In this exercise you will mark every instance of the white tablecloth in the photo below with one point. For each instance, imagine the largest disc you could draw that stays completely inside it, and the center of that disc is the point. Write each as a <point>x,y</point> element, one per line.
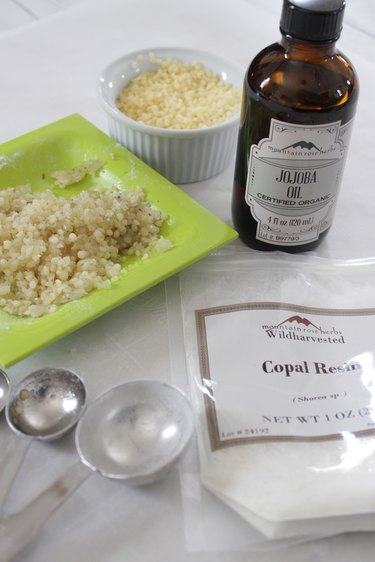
<point>49,70</point>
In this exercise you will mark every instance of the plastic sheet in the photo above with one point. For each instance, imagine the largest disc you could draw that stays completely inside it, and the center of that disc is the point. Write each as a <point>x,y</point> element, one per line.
<point>312,474</point>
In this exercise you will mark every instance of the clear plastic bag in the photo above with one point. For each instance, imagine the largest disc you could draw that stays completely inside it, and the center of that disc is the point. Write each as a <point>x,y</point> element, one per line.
<point>293,483</point>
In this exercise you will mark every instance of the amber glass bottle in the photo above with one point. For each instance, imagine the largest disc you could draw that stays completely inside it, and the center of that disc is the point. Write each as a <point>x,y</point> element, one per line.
<point>299,101</point>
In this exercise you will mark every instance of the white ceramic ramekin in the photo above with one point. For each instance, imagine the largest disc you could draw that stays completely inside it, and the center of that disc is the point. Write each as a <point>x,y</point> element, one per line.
<point>182,156</point>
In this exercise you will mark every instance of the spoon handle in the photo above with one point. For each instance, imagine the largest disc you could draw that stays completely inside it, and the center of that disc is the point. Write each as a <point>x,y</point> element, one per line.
<point>12,455</point>
<point>19,529</point>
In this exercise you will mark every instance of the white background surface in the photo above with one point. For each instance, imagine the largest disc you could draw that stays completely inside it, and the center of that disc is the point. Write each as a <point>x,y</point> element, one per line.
<point>51,52</point>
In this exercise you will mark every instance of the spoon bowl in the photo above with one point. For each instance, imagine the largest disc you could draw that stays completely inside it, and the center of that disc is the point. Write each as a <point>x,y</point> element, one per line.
<point>135,431</point>
<point>46,404</point>
<point>4,390</point>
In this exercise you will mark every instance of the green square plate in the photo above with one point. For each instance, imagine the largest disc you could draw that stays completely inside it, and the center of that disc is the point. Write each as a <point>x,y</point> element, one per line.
<point>194,231</point>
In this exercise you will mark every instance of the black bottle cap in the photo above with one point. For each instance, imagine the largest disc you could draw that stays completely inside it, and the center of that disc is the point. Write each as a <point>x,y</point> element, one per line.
<point>312,20</point>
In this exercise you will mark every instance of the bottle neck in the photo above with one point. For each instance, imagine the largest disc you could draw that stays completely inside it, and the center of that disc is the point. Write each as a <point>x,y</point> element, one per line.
<point>303,48</point>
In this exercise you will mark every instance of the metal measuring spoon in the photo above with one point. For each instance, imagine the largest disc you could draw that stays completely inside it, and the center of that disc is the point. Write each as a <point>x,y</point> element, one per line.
<point>45,405</point>
<point>4,390</point>
<point>133,432</point>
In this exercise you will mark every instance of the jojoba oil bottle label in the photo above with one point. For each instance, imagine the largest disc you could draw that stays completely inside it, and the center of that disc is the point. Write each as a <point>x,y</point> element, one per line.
<point>293,180</point>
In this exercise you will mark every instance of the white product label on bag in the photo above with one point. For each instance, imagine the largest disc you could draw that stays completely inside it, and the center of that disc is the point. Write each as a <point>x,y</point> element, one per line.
<point>272,371</point>
<point>293,180</point>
